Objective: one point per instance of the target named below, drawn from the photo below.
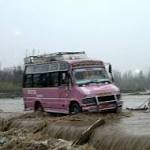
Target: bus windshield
(91, 75)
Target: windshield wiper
(101, 81)
(95, 81)
(85, 83)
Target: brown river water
(131, 131)
(16, 104)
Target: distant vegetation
(11, 81)
(129, 82)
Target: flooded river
(16, 105)
(129, 131)
(138, 123)
(11, 105)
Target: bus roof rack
(39, 59)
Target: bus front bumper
(103, 106)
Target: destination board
(85, 64)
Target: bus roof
(55, 66)
(47, 58)
(59, 62)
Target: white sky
(116, 31)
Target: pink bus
(69, 82)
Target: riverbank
(10, 89)
(10, 95)
(33, 131)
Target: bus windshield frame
(90, 75)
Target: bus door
(46, 87)
(64, 91)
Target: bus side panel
(29, 99)
(51, 100)
(48, 97)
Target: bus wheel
(75, 108)
(117, 110)
(38, 107)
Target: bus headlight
(118, 96)
(91, 100)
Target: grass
(9, 89)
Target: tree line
(130, 82)
(11, 80)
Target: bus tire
(38, 107)
(117, 110)
(75, 108)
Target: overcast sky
(116, 31)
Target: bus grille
(106, 98)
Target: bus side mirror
(110, 71)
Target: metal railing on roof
(54, 57)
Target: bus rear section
(45, 87)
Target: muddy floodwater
(16, 104)
(11, 105)
(128, 130)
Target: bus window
(53, 79)
(63, 78)
(36, 80)
(28, 80)
(40, 80)
(44, 80)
